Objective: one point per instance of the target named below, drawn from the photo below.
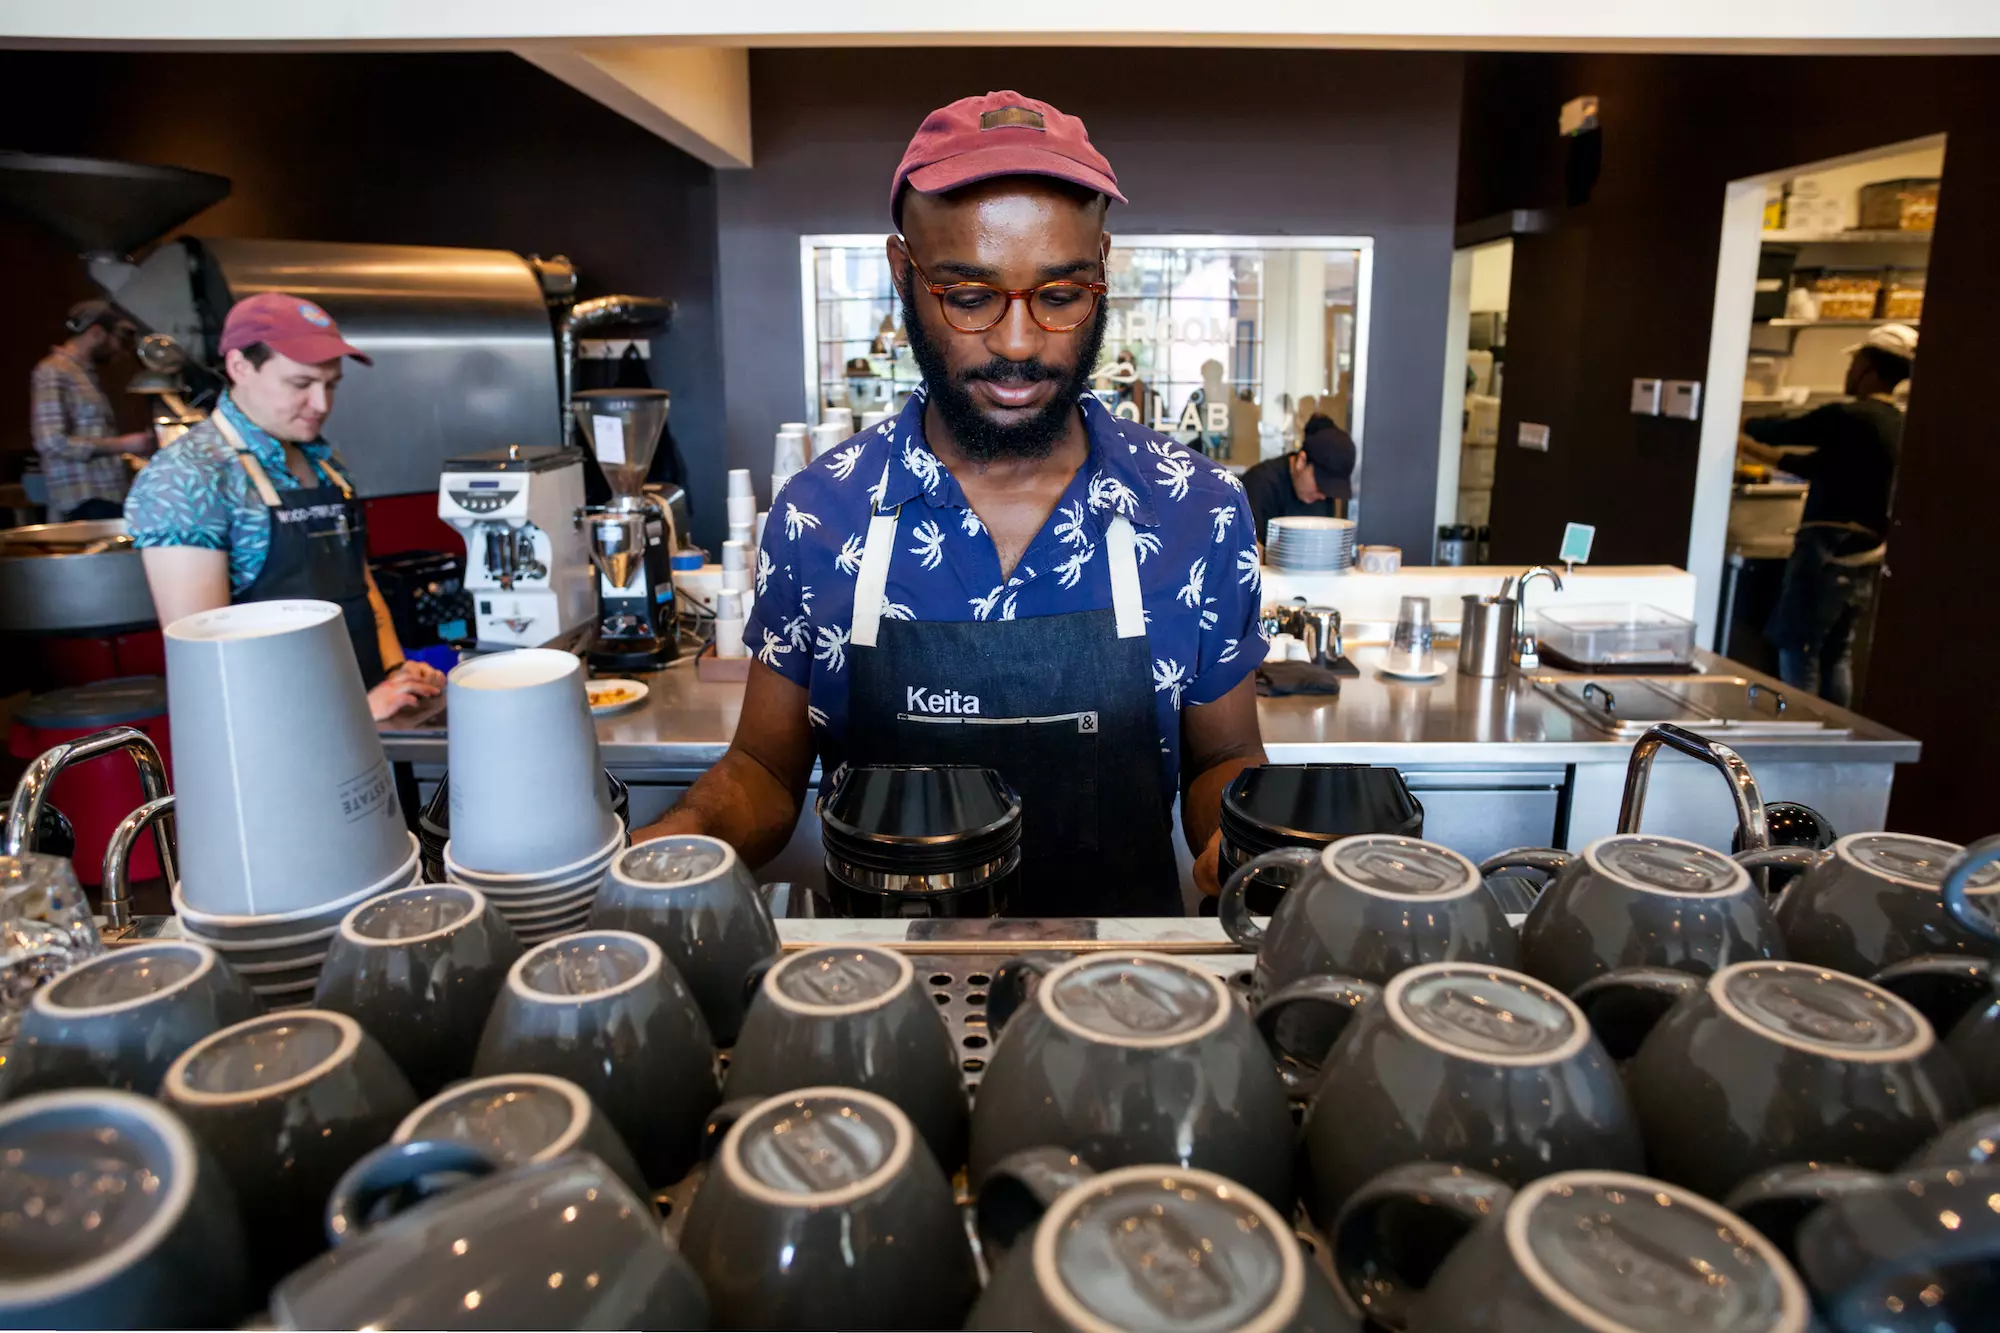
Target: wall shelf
(1835, 323)
(1847, 238)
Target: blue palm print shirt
(1198, 571)
(195, 493)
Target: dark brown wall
(472, 149)
(1624, 287)
(1219, 141)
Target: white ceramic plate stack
(541, 907)
(532, 826)
(287, 813)
(1308, 544)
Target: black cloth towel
(1282, 678)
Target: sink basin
(1625, 706)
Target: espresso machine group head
(631, 537)
(527, 560)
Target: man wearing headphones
(74, 429)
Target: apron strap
(262, 479)
(872, 582)
(1121, 552)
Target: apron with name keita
(1062, 706)
(319, 551)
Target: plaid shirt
(67, 412)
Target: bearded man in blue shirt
(1006, 575)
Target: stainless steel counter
(684, 724)
(1496, 763)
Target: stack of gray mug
(1658, 1103)
(287, 815)
(532, 826)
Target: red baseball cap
(289, 326)
(999, 134)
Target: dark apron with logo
(319, 552)
(1064, 711)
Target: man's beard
(978, 437)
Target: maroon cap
(1000, 134)
(289, 326)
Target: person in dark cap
(70, 418)
(252, 505)
(1316, 478)
(1006, 575)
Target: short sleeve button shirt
(1198, 571)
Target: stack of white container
(287, 811)
(532, 826)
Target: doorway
(1475, 374)
(1816, 260)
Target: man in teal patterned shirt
(251, 505)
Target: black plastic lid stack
(1312, 805)
(920, 819)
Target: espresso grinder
(632, 537)
(526, 565)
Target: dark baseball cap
(999, 134)
(288, 325)
(1331, 452)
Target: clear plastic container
(1615, 634)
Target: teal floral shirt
(196, 493)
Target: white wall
(1492, 276)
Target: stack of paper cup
(789, 454)
(842, 417)
(736, 567)
(742, 510)
(763, 517)
(874, 417)
(739, 481)
(828, 435)
(729, 621)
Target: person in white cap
(1848, 451)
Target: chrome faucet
(1528, 652)
(25, 809)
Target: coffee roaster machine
(473, 350)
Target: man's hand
(1208, 867)
(407, 686)
(138, 442)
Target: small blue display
(484, 485)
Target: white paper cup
(763, 517)
(740, 532)
(736, 555)
(278, 928)
(527, 782)
(742, 509)
(729, 604)
(871, 419)
(828, 436)
(799, 428)
(283, 795)
(789, 454)
(739, 481)
(729, 637)
(735, 580)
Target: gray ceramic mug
(517, 1118)
(1145, 1247)
(1456, 1062)
(1573, 1252)
(1872, 900)
(286, 1103)
(561, 1243)
(419, 970)
(694, 897)
(1765, 1063)
(1639, 900)
(605, 1010)
(120, 1019)
(114, 1217)
(1368, 907)
(853, 1016)
(1129, 1058)
(823, 1207)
